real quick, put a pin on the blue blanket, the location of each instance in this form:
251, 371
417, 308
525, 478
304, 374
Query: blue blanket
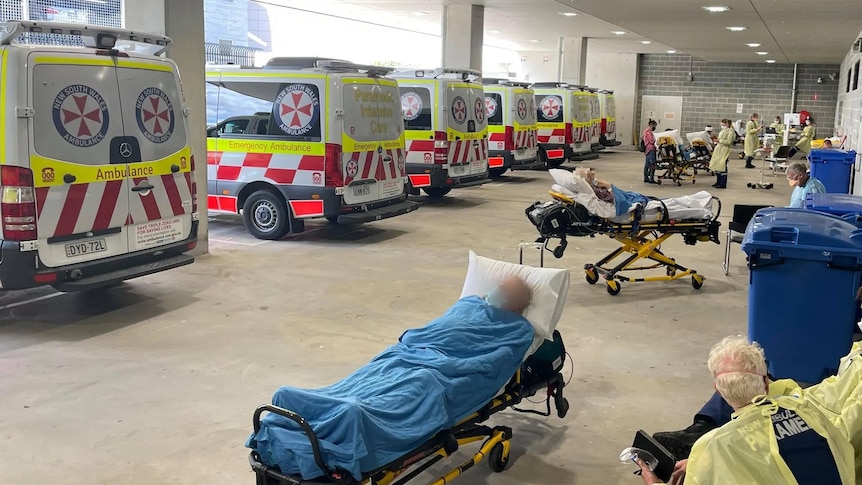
624, 200
430, 380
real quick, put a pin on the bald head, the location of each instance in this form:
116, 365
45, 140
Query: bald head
517, 294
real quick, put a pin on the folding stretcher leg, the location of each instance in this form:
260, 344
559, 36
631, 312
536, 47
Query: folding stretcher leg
642, 246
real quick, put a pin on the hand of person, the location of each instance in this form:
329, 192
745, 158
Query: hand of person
603, 184
648, 476
678, 476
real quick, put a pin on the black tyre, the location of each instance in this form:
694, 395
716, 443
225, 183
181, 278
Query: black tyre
614, 288
332, 219
697, 282
496, 461
562, 407
559, 251
496, 173
437, 192
592, 276
266, 215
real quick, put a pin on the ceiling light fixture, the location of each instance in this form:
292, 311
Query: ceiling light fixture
716, 9
761, 53
770, 61
494, 32
420, 14
618, 32
736, 28
645, 42
671, 52
535, 41
753, 44
568, 14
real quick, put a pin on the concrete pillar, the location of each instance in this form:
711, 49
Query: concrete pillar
183, 22
573, 60
463, 36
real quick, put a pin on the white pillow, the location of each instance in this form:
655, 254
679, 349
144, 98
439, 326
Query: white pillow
550, 287
571, 182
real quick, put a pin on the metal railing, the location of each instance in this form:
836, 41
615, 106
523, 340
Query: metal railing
239, 55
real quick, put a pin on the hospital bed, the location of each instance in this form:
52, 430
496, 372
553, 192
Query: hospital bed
640, 233
540, 372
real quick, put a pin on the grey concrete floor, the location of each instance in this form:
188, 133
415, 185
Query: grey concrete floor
155, 381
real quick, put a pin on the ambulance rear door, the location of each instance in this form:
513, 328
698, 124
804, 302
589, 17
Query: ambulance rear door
524, 120
550, 114
75, 136
159, 166
373, 153
467, 130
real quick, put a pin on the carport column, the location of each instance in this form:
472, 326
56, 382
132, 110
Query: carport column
573, 60
182, 21
463, 33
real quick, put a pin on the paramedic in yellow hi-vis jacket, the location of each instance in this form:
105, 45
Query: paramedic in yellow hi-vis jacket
804, 143
790, 438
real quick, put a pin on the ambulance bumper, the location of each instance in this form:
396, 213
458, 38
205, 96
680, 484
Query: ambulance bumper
379, 213
18, 269
509, 161
436, 176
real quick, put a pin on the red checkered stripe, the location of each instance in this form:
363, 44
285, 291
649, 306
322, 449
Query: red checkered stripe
423, 149
94, 206
285, 169
612, 126
459, 151
371, 165
545, 135
498, 137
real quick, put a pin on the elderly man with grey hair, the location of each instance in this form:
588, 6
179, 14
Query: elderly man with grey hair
775, 435
803, 184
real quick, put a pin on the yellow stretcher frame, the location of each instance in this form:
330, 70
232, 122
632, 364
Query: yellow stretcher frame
642, 241
495, 448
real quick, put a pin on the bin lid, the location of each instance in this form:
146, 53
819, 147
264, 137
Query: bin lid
802, 234
832, 155
835, 204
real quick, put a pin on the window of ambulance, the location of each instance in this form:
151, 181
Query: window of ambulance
229, 112
549, 108
153, 111
416, 109
494, 108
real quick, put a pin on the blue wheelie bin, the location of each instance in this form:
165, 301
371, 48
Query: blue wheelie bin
832, 167
806, 267
835, 204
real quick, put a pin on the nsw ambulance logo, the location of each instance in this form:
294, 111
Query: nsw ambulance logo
81, 115
155, 115
490, 106
47, 175
411, 105
296, 109
459, 110
522, 109
551, 107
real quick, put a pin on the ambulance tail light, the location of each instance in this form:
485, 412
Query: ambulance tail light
510, 138
604, 125
18, 204
570, 134
441, 148
332, 166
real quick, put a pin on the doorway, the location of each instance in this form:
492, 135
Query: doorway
665, 110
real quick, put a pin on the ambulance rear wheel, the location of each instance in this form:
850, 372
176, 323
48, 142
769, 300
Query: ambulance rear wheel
266, 216
437, 192
496, 461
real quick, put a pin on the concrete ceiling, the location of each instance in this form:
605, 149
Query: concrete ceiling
794, 31
791, 31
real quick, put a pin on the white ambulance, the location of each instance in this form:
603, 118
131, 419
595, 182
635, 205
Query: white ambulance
96, 172
447, 129
582, 124
512, 126
596, 120
554, 113
608, 106
304, 138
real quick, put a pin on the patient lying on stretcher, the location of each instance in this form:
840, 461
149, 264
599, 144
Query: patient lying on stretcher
605, 200
430, 380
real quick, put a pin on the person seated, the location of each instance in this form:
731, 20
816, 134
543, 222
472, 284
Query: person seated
827, 144
803, 184
785, 438
431, 379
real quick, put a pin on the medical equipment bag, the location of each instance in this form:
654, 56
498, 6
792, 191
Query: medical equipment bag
558, 219
546, 362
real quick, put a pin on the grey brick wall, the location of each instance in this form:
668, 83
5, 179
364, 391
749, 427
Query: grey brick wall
718, 87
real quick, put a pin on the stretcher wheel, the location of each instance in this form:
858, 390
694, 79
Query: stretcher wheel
614, 287
678, 183
559, 251
562, 408
671, 271
592, 276
697, 282
658, 181
496, 461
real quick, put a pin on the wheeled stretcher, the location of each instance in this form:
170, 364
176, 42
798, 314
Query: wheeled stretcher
640, 236
495, 447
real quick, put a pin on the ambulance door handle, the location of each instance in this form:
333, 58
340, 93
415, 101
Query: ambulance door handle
457, 137
175, 168
387, 159
69, 178
145, 187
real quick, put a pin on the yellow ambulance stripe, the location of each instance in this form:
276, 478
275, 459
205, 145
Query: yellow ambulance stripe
349, 145
48, 172
496, 129
78, 61
419, 135
520, 127
276, 147
453, 134
5, 75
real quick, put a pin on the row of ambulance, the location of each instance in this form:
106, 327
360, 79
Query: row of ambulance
97, 181
304, 138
